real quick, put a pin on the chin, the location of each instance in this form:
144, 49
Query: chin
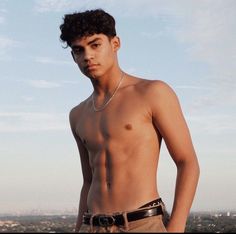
94, 74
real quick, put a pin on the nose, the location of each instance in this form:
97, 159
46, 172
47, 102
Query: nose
88, 55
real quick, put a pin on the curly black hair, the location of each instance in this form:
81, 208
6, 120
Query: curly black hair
87, 23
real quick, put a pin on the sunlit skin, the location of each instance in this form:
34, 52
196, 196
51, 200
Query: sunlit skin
119, 146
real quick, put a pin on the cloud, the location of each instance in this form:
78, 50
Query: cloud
193, 87
2, 16
51, 5
27, 98
48, 60
70, 82
32, 121
2, 19
65, 5
212, 124
43, 84
6, 44
153, 35
208, 30
130, 8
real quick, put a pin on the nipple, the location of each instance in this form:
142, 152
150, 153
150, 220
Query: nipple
128, 126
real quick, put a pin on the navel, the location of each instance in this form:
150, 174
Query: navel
128, 126
108, 184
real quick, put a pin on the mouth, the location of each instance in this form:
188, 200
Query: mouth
91, 67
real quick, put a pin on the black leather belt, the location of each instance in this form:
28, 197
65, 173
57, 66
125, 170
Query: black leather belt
109, 220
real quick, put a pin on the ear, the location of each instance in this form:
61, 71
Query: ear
115, 41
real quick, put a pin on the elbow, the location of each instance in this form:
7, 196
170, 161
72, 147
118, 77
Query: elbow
192, 166
196, 167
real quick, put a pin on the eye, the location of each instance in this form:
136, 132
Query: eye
95, 45
77, 51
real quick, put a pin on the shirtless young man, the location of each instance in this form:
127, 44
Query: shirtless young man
118, 130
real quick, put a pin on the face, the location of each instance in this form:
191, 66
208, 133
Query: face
95, 54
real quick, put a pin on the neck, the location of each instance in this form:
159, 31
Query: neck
103, 106
105, 84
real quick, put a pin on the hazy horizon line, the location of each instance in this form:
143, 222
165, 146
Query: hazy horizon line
61, 212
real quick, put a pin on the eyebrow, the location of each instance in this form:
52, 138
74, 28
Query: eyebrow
94, 40
89, 43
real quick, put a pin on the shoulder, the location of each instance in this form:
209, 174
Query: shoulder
159, 86
151, 90
159, 96
76, 113
156, 89
79, 109
75, 110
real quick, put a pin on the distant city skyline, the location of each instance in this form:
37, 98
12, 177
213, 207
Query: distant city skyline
197, 222
188, 44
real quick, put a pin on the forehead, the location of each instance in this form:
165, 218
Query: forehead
88, 39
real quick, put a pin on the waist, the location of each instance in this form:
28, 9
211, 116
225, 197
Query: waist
104, 199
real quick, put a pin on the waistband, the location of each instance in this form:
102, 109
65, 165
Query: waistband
155, 202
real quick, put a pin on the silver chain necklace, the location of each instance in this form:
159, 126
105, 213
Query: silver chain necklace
107, 102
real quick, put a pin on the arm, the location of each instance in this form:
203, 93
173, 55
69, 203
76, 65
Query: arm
170, 122
87, 177
86, 171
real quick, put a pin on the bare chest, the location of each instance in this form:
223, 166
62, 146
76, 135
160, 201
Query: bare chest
119, 123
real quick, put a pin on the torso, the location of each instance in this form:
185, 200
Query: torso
123, 149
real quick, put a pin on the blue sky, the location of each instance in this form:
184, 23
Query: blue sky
188, 44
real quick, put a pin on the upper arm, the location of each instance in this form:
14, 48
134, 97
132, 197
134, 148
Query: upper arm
84, 156
170, 122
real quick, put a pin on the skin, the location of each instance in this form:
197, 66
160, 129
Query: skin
119, 146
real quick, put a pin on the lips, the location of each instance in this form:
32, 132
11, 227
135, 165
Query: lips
91, 66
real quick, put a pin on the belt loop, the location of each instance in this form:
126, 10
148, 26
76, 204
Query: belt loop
126, 224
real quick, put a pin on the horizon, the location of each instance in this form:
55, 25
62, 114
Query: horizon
74, 213
188, 44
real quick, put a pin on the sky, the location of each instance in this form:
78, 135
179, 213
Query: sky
189, 44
